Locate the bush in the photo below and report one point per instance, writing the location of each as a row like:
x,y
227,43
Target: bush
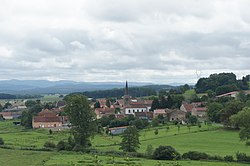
x,y
166,153
242,157
218,158
194,155
248,143
229,158
60,145
1,141
49,144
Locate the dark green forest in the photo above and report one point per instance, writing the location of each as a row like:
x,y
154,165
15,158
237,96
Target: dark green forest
x,y
222,83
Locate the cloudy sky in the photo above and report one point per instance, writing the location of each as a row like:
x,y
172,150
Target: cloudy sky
x,y
159,41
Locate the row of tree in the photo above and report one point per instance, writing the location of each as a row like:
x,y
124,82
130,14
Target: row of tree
x,y
222,83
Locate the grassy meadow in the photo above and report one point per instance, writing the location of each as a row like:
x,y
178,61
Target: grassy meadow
x,y
210,139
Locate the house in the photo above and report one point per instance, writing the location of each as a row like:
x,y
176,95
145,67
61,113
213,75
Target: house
x,y
144,115
196,108
158,112
117,130
46,122
176,115
100,112
47,119
102,103
132,108
187,107
199,112
7,115
171,114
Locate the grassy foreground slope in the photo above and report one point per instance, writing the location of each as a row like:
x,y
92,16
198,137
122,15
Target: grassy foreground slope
x,y
31,158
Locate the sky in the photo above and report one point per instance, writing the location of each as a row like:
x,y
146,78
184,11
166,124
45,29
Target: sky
x,y
157,41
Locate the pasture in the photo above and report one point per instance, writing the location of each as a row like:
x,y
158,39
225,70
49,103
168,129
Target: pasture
x,y
211,139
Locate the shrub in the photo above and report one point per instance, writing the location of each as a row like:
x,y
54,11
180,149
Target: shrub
x,y
248,143
49,144
194,155
149,151
166,153
1,141
242,157
218,158
229,158
60,145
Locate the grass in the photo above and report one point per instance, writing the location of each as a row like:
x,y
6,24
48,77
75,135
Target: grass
x,y
85,159
210,139
24,158
18,137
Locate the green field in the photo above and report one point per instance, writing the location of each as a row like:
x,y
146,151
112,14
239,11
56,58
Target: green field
x,y
33,158
210,139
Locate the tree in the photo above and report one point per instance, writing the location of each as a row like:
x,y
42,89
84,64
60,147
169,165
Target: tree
x,y
138,123
149,150
1,108
213,111
30,103
7,105
166,153
231,108
108,103
242,120
97,104
130,140
1,141
82,119
26,119
155,104
163,102
156,132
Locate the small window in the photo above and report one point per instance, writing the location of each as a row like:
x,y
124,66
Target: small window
x,y
133,111
138,110
128,111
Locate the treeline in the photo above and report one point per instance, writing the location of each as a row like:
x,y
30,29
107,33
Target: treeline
x,y
26,96
7,96
222,83
118,93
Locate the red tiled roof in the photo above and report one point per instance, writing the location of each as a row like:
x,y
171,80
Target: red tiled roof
x,y
159,111
102,101
188,107
119,116
47,119
6,113
201,109
105,110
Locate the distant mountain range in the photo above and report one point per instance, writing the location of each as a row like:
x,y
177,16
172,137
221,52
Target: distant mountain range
x,y
63,87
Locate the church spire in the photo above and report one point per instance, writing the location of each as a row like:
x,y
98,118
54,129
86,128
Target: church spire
x,y
126,95
126,88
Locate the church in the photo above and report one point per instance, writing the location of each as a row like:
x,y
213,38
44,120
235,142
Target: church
x,y
132,106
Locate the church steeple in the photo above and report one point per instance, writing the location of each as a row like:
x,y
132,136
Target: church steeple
x,y
126,97
126,88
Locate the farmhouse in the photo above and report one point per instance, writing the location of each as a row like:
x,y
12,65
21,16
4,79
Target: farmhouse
x,y
47,119
100,112
196,108
170,114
